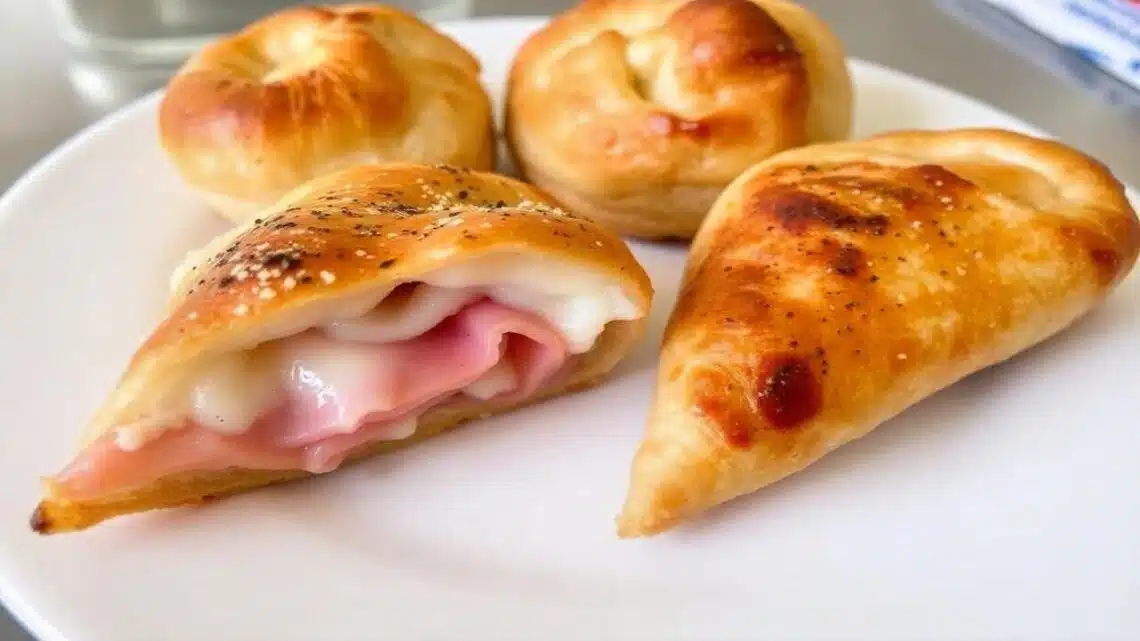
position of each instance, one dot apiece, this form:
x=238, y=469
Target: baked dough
x=310, y=90
x=834, y=286
x=639, y=112
x=337, y=239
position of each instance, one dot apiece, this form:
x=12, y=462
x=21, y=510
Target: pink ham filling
x=314, y=430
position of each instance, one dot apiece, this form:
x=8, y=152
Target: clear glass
x=165, y=32
x=122, y=49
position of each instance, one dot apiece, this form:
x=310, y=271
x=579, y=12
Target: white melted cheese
x=497, y=380
x=399, y=320
x=233, y=393
x=229, y=395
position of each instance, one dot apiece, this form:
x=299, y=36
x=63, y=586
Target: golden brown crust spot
x=40, y=522
x=716, y=39
x=798, y=211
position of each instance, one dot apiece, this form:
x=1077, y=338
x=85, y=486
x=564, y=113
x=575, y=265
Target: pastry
x=639, y=112
x=311, y=90
x=834, y=286
x=371, y=308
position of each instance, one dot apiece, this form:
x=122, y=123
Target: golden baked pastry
x=371, y=308
x=639, y=112
x=834, y=286
x=310, y=90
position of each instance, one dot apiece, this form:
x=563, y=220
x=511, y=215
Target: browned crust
x=666, y=102
x=933, y=255
x=313, y=89
x=362, y=228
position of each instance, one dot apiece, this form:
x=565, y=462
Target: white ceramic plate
x=1006, y=507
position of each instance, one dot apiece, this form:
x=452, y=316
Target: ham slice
x=334, y=395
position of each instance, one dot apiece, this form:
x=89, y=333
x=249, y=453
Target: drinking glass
x=121, y=49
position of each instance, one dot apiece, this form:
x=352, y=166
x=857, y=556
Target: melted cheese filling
x=232, y=393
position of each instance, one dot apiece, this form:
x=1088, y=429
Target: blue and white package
x=1106, y=33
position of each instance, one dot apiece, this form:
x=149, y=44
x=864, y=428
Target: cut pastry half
x=368, y=309
x=833, y=286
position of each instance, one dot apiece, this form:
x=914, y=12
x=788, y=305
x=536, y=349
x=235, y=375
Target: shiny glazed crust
x=360, y=229
x=834, y=286
x=310, y=90
x=638, y=112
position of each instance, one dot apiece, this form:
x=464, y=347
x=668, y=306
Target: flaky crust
x=361, y=229
x=836, y=285
x=310, y=90
x=638, y=112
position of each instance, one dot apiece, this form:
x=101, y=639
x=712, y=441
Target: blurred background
x=1067, y=66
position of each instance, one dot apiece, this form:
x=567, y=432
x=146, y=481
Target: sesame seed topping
x=392, y=235
x=598, y=243
x=961, y=270
x=289, y=283
x=978, y=255
x=241, y=310
x=192, y=316
x=328, y=277
x=901, y=356
x=946, y=199
x=917, y=224
x=267, y=293
x=361, y=253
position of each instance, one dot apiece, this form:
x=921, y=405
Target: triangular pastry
x=833, y=286
x=370, y=308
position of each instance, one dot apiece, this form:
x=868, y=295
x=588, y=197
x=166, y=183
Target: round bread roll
x=413, y=276
x=310, y=90
x=639, y=112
